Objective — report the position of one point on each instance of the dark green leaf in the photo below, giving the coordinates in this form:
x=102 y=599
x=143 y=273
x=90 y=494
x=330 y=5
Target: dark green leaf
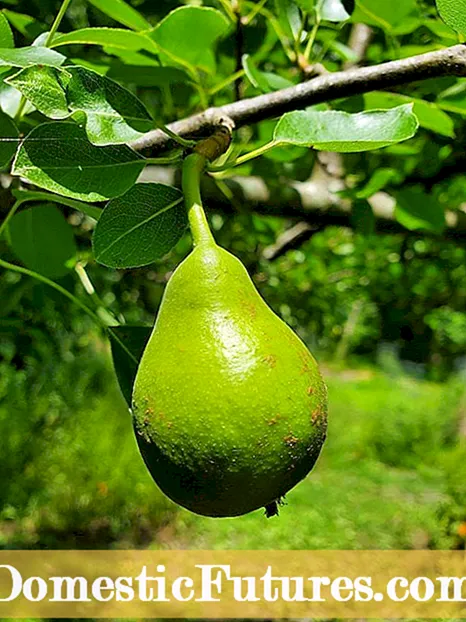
x=147 y=76
x=343 y=132
x=42 y=240
x=115 y=37
x=349 y=5
x=122 y=12
x=36 y=195
x=140 y=226
x=25 y=24
x=8 y=139
x=59 y=157
x=23 y=57
x=362 y=218
x=127 y=343
x=454 y=98
x=142 y=58
x=6 y=36
x=453 y=13
x=417 y=210
x=188 y=34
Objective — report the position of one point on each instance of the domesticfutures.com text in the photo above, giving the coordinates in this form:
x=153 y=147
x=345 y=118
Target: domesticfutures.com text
x=209 y=582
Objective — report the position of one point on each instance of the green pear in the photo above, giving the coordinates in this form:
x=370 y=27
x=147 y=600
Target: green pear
x=229 y=406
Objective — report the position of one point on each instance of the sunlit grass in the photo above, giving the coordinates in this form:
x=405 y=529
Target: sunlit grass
x=379 y=483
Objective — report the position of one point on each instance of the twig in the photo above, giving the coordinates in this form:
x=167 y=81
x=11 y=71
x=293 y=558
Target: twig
x=290 y=239
x=450 y=61
x=359 y=41
x=239 y=47
x=57 y=21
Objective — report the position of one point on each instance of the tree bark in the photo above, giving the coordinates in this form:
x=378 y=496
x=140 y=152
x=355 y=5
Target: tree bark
x=355 y=81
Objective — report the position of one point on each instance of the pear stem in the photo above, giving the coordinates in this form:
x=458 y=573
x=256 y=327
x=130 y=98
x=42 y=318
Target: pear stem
x=193 y=166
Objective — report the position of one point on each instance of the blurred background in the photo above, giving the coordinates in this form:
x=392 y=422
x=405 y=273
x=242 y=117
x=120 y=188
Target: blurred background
x=382 y=308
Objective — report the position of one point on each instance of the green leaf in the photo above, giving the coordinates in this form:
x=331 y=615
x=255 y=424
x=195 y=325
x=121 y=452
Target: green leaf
x=417 y=210
x=36 y=195
x=263 y=80
x=10 y=99
x=59 y=157
x=255 y=77
x=383 y=13
x=288 y=15
x=453 y=13
x=284 y=153
x=453 y=99
x=378 y=181
x=23 y=57
x=441 y=30
x=140 y=226
x=44 y=87
x=343 y=51
x=122 y=12
x=363 y=218
x=6 y=36
x=334 y=10
x=100 y=66
x=277 y=82
x=147 y=76
x=307 y=6
x=114 y=37
x=9 y=139
x=188 y=34
x=128 y=344
x=428 y=114
x=113 y=114
x=42 y=239
x=343 y=132
x=411 y=23
x=143 y=58
x=25 y=24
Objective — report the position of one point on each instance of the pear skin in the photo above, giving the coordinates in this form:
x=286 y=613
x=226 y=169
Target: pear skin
x=229 y=408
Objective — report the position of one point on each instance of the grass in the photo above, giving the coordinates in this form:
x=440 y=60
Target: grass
x=386 y=474
x=87 y=486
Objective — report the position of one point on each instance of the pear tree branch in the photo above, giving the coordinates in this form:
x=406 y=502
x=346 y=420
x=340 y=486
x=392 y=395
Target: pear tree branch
x=331 y=86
